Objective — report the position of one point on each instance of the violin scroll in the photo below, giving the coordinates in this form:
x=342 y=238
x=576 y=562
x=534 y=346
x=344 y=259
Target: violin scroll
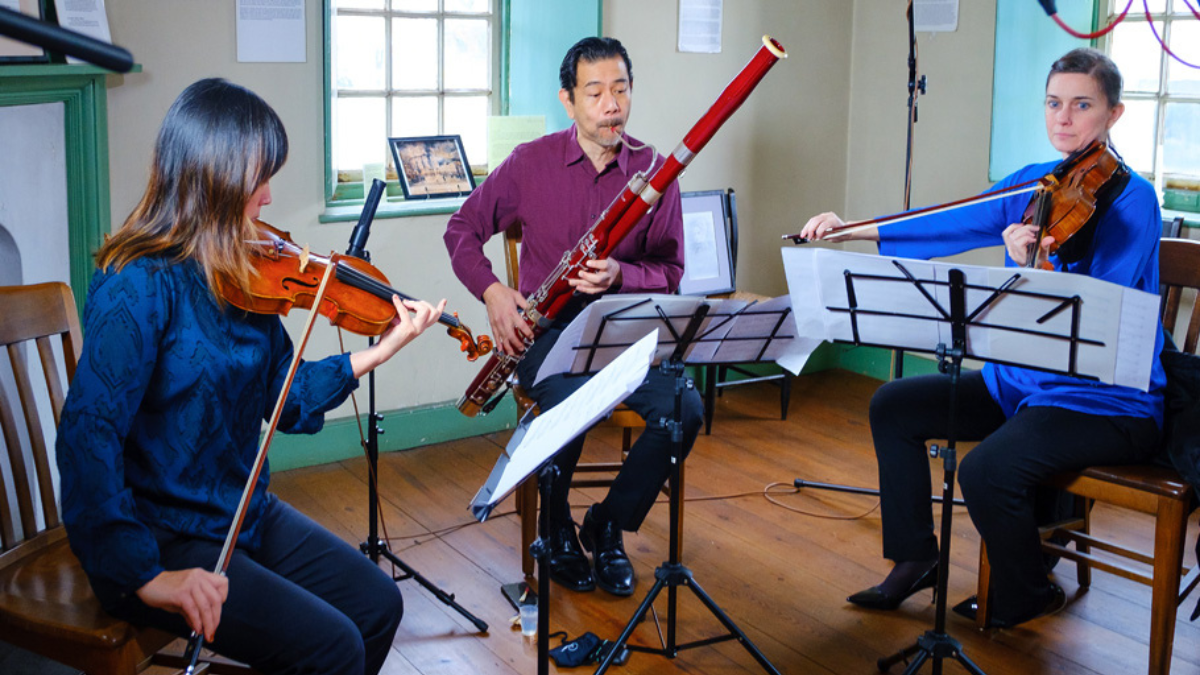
x=474 y=348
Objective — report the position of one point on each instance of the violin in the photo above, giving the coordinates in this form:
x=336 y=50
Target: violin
x=359 y=297
x=1073 y=198
x=1067 y=204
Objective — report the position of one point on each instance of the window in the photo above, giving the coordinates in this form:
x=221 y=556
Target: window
x=1159 y=135
x=407 y=68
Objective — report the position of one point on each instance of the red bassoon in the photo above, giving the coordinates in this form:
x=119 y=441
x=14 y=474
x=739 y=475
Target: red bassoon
x=617 y=221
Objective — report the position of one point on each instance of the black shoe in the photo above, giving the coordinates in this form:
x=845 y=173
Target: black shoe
x=875 y=598
x=969 y=609
x=614 y=572
x=568 y=564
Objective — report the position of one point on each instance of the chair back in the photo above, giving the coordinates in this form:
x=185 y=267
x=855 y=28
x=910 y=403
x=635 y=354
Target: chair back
x=1179 y=274
x=512 y=254
x=32 y=318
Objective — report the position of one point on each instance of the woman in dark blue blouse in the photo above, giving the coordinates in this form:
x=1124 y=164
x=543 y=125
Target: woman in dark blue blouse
x=161 y=425
x=1032 y=424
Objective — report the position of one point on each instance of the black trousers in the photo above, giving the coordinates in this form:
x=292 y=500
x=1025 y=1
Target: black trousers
x=649 y=463
x=1000 y=477
x=305 y=602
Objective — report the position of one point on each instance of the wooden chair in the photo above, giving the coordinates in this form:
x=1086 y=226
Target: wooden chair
x=1153 y=489
x=46 y=602
x=715 y=376
x=622 y=418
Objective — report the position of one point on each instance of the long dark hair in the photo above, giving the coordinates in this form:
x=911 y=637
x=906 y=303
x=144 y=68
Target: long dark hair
x=218 y=144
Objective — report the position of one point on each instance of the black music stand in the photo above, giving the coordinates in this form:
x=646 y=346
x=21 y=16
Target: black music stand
x=697 y=336
x=374 y=547
x=1063 y=326
x=535 y=443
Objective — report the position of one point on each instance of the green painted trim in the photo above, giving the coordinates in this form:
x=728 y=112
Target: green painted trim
x=82 y=91
x=404 y=429
x=876 y=362
x=330 y=179
x=505 y=54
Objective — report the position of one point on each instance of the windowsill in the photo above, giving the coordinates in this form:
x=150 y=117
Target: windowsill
x=400 y=209
x=1190 y=218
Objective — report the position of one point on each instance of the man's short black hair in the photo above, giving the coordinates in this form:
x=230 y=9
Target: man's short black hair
x=590 y=49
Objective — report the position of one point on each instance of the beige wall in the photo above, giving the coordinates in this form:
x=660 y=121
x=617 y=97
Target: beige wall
x=824 y=131
x=952 y=136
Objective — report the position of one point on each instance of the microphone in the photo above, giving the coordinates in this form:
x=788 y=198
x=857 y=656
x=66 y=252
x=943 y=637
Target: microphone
x=358 y=238
x=41 y=34
x=1049 y=6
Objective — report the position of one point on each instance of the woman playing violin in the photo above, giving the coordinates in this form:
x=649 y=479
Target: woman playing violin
x=162 y=421
x=1031 y=424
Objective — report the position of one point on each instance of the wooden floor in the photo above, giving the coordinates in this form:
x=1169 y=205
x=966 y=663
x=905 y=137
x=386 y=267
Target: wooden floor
x=782 y=576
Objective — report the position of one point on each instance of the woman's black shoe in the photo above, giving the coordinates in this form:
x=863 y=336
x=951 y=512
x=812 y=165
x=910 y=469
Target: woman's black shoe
x=875 y=598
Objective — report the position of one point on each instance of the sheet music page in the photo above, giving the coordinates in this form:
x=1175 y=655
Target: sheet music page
x=891 y=310
x=556 y=427
x=744 y=340
x=627 y=319
x=1136 y=338
x=718 y=324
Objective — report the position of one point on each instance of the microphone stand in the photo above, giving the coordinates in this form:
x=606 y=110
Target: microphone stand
x=374 y=547
x=916 y=87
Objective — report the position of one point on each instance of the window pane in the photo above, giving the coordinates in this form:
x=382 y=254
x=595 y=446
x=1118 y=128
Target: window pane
x=467 y=116
x=359 y=4
x=1136 y=53
x=1134 y=135
x=467 y=54
x=1181 y=142
x=415 y=5
x=414 y=49
x=360 y=52
x=361 y=134
x=1185 y=37
x=473 y=6
x=1156 y=7
x=415 y=116
x=1178 y=6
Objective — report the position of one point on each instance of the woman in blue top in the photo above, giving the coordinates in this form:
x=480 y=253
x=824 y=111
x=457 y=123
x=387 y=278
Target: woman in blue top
x=161 y=425
x=1031 y=424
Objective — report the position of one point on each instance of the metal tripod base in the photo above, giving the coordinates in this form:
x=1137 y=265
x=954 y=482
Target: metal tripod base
x=931 y=645
x=378 y=547
x=670 y=576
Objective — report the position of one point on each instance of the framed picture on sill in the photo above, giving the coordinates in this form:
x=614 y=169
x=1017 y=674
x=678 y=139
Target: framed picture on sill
x=15 y=51
x=431 y=167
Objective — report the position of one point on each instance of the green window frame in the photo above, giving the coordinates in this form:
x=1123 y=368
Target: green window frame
x=533 y=36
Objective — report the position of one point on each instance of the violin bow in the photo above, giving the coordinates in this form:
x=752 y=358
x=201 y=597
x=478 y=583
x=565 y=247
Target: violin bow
x=192 y=655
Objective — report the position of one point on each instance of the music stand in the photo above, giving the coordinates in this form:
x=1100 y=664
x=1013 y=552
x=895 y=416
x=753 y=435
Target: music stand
x=701 y=332
x=1045 y=310
x=536 y=441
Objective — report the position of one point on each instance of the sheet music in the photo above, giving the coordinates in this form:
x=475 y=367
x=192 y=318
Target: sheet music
x=556 y=427
x=761 y=319
x=1030 y=325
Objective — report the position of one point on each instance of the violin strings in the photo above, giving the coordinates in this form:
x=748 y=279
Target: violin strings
x=372 y=285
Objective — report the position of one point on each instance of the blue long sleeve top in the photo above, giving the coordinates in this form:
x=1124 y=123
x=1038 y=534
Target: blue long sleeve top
x=161 y=424
x=1124 y=251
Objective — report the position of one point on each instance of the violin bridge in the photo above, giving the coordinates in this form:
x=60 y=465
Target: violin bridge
x=304 y=258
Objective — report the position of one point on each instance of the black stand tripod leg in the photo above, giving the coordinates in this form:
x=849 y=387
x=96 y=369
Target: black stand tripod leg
x=541 y=553
x=374 y=546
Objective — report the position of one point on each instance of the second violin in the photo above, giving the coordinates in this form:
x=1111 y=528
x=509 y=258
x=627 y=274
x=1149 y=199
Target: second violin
x=359 y=297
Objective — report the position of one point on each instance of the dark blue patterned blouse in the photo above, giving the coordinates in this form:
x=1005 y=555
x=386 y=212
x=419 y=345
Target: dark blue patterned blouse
x=162 y=421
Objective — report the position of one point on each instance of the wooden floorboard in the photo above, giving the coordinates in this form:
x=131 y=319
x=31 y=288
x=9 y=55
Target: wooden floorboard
x=782 y=576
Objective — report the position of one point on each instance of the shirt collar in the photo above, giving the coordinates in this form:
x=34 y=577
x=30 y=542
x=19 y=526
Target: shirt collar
x=573 y=153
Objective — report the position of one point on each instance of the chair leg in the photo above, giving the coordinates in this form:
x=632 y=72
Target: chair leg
x=1083 y=570
x=710 y=397
x=785 y=394
x=983 y=613
x=527 y=508
x=1169 y=531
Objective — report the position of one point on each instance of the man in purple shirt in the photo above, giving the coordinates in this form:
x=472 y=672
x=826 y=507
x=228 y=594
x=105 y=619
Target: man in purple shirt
x=556 y=187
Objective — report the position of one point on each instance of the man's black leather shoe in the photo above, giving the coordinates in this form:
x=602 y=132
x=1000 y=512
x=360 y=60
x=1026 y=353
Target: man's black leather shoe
x=614 y=572
x=568 y=563
x=969 y=609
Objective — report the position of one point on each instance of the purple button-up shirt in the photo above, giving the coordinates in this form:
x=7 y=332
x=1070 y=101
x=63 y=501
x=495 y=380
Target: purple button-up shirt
x=551 y=188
